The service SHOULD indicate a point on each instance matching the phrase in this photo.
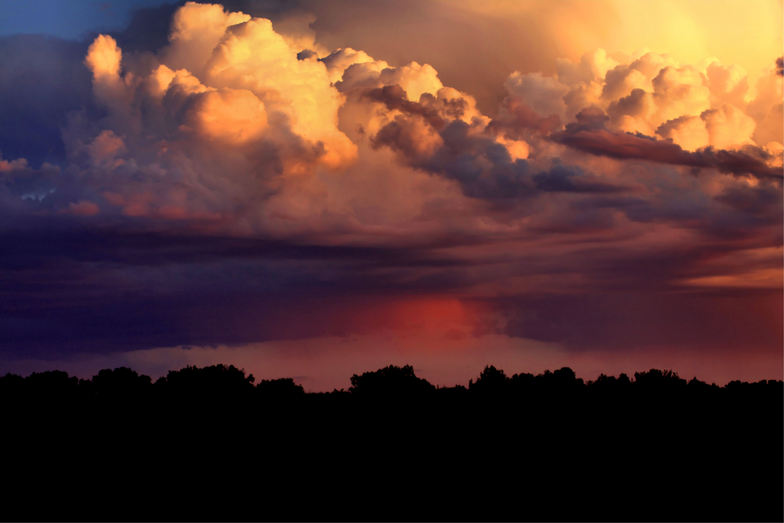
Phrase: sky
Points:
(313, 189)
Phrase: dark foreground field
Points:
(210, 444)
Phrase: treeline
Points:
(388, 383)
(212, 443)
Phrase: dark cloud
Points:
(72, 285)
(562, 178)
(763, 202)
(67, 288)
(394, 97)
(475, 159)
(306, 54)
(42, 79)
(148, 29)
(629, 321)
(589, 135)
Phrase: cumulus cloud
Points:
(209, 123)
(233, 126)
(694, 107)
(234, 122)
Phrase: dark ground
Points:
(209, 444)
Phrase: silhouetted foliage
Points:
(611, 383)
(121, 381)
(205, 443)
(490, 381)
(280, 389)
(655, 378)
(11, 383)
(389, 383)
(213, 381)
(52, 382)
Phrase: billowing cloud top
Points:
(633, 172)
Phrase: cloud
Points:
(103, 59)
(751, 160)
(202, 127)
(696, 107)
(42, 79)
(493, 39)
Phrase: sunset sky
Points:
(312, 189)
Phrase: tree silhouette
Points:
(390, 382)
(490, 381)
(215, 380)
(121, 381)
(656, 378)
(280, 389)
(52, 381)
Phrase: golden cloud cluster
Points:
(712, 105)
(238, 127)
